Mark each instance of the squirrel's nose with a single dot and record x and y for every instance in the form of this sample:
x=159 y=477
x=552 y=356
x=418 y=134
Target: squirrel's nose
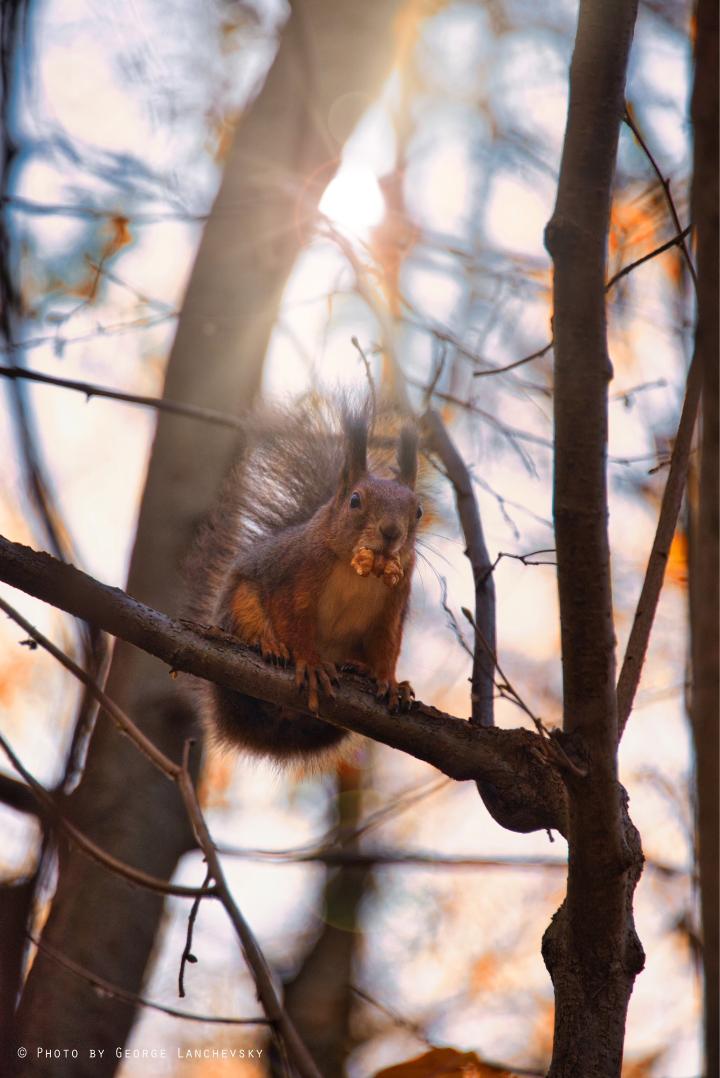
x=390 y=530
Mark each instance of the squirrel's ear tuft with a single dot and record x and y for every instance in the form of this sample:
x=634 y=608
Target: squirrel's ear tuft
x=408 y=456
x=356 y=440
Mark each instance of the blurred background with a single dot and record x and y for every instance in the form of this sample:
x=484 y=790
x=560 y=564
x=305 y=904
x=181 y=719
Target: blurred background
x=119 y=120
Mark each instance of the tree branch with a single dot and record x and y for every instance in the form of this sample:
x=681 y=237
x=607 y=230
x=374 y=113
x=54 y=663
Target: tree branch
x=120 y=868
x=90 y=389
x=182 y=776
x=134 y=1000
x=507 y=758
x=639 y=638
x=477 y=553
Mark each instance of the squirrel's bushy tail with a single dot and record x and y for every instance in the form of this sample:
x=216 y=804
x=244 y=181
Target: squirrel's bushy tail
x=269 y=730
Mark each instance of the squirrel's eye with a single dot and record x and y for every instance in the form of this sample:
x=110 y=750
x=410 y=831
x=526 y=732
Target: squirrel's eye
x=355 y=500
x=419 y=512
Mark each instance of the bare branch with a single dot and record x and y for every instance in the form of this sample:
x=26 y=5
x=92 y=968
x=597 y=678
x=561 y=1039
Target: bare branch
x=181 y=775
x=665 y=184
x=120 y=868
x=676 y=241
x=135 y=1000
x=477 y=553
x=253 y=955
x=187 y=955
x=89 y=390
x=143 y=743
x=637 y=644
x=517 y=363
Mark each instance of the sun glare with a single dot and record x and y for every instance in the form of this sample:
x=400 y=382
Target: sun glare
x=353 y=199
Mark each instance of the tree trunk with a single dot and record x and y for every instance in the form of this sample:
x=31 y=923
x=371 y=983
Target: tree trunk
x=704 y=552
x=284 y=154
x=591 y=949
x=319 y=996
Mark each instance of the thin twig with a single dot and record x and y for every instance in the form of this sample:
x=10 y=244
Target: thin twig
x=676 y=241
x=665 y=184
x=89 y=390
x=146 y=746
x=120 y=868
x=114 y=990
x=524 y=558
x=368 y=372
x=517 y=363
x=549 y=745
x=338 y=857
x=187 y=955
x=181 y=775
x=254 y=957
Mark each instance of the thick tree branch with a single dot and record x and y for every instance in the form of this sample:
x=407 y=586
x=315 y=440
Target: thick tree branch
x=591 y=948
x=507 y=758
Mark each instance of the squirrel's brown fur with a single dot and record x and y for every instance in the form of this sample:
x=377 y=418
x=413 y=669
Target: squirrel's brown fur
x=309 y=556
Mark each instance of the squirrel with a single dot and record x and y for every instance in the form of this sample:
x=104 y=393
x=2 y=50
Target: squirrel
x=309 y=558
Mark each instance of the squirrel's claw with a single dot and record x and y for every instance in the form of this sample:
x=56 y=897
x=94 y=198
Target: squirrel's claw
x=332 y=672
x=322 y=673
x=399 y=695
x=273 y=651
x=406 y=694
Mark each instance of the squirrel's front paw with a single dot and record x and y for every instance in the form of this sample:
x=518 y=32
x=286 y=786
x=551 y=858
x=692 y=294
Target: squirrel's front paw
x=324 y=673
x=393 y=574
x=271 y=649
x=399 y=694
x=363 y=561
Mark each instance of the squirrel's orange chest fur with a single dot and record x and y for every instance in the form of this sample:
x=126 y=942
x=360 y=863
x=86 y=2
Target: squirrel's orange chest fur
x=348 y=607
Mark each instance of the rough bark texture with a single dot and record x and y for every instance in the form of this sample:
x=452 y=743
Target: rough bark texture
x=704 y=552
x=591 y=948
x=284 y=153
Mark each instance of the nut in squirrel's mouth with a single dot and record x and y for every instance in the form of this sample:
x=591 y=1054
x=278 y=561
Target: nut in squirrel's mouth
x=365 y=561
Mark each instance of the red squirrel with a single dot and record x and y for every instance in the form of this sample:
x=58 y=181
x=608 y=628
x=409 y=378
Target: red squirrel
x=309 y=557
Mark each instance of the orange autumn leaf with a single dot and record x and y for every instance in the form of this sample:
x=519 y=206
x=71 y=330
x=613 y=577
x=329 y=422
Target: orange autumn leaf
x=121 y=236
x=443 y=1063
x=631 y=224
x=677 y=563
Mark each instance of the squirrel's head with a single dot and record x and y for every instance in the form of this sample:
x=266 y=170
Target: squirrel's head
x=380 y=514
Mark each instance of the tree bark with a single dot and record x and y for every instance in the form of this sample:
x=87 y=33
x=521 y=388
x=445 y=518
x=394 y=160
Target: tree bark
x=704 y=552
x=591 y=949
x=285 y=151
